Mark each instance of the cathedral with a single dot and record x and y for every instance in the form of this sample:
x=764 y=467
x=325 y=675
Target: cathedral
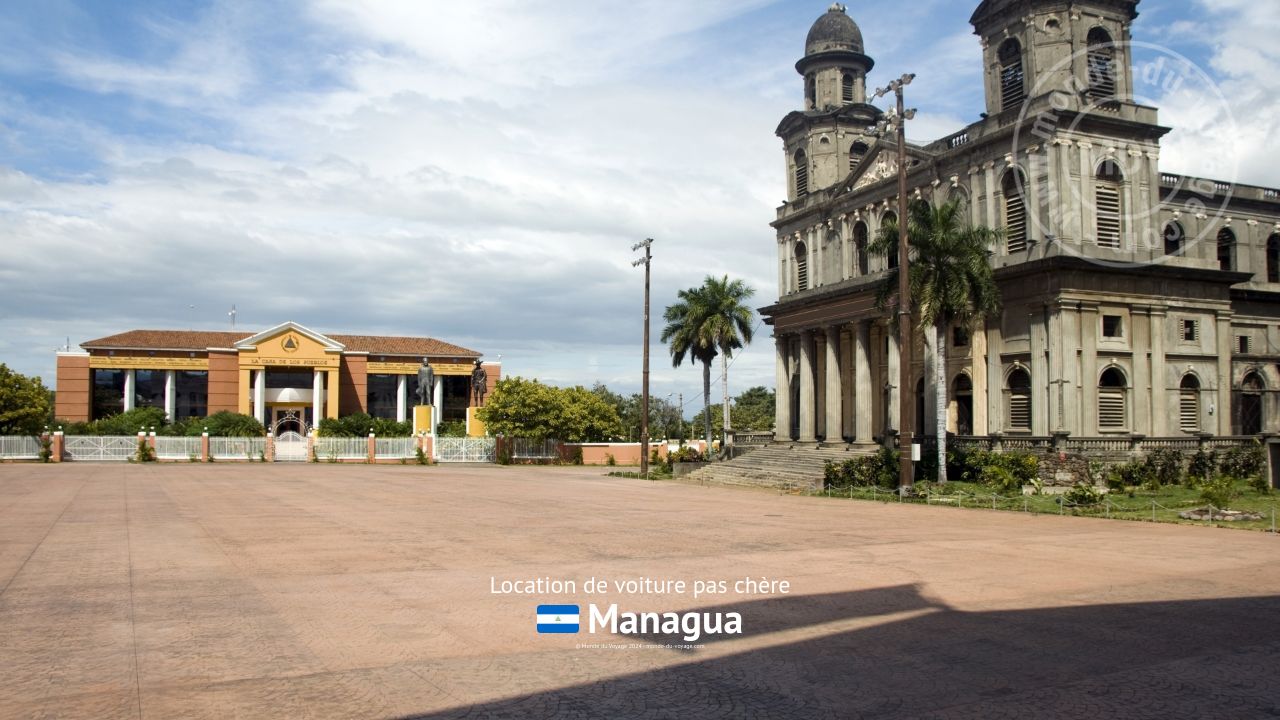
x=1135 y=302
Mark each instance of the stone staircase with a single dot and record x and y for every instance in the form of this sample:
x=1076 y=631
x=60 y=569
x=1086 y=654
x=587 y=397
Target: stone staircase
x=783 y=466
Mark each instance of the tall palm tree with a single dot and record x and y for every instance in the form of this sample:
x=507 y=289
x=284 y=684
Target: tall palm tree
x=951 y=282
x=710 y=320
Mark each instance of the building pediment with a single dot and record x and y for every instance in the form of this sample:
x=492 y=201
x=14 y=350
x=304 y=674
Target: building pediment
x=292 y=338
x=881 y=164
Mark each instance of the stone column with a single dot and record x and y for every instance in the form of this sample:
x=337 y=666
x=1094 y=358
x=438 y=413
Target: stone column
x=260 y=395
x=782 y=266
x=402 y=397
x=1224 y=372
x=834 y=427
x=170 y=394
x=1142 y=386
x=317 y=397
x=130 y=389
x=892 y=376
x=1160 y=425
x=1088 y=222
x=996 y=421
x=1057 y=393
x=807 y=409
x=989 y=175
x=1039 y=374
x=1089 y=369
x=782 y=393
x=862 y=383
x=437 y=401
x=929 y=374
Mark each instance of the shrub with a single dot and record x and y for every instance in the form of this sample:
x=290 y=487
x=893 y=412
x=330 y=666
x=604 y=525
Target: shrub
x=686 y=454
x=229 y=424
x=880 y=470
x=1219 y=491
x=1006 y=472
x=1243 y=462
x=420 y=456
x=1203 y=464
x=1166 y=466
x=1260 y=484
x=1136 y=473
x=360 y=424
x=1083 y=494
x=125 y=423
x=453 y=428
x=144 y=453
x=46 y=448
x=610 y=460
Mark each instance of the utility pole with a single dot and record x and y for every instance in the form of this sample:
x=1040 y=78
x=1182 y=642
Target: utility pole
x=644 y=383
x=905 y=433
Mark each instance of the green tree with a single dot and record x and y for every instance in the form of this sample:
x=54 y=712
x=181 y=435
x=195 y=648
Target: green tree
x=754 y=409
x=951 y=282
x=24 y=403
x=706 y=321
x=529 y=409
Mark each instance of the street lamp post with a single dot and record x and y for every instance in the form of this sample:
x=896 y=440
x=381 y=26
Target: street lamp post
x=644 y=382
x=905 y=434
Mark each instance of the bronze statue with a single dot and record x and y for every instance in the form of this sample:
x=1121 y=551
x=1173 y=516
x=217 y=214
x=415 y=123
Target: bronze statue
x=426 y=383
x=479 y=383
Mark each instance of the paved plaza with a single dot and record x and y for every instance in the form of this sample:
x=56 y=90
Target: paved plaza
x=344 y=591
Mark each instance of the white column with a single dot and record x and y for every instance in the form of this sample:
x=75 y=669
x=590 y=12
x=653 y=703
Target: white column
x=317 y=397
x=260 y=395
x=437 y=401
x=862 y=382
x=834 y=430
x=170 y=394
x=130 y=389
x=402 y=397
x=893 y=374
x=782 y=391
x=807 y=410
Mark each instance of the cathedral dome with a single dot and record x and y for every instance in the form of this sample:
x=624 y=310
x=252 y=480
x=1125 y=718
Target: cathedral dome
x=834 y=31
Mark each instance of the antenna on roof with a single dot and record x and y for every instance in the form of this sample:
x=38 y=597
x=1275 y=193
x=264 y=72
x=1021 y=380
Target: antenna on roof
x=233 y=317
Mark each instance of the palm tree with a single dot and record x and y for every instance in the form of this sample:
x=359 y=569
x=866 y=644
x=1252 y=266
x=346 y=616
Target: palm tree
x=951 y=281
x=710 y=320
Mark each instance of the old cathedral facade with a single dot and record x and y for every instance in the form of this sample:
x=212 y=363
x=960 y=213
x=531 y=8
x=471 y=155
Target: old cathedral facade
x=1134 y=302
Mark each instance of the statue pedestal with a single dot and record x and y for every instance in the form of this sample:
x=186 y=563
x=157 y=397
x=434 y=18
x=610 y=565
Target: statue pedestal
x=422 y=420
x=475 y=426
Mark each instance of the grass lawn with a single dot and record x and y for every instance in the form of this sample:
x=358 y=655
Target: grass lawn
x=1134 y=504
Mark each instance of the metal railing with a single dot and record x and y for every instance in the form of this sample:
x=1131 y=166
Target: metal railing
x=19 y=447
x=342 y=448
x=237 y=448
x=525 y=449
x=395 y=448
x=466 y=449
x=100 y=448
x=177 y=448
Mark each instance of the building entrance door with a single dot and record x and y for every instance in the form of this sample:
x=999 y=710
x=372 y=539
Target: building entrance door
x=290 y=419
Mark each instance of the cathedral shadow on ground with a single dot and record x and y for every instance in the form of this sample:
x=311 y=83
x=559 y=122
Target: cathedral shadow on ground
x=1202 y=658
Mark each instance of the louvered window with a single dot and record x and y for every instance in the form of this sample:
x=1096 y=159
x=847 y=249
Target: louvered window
x=802 y=267
x=1015 y=213
x=1102 y=65
x=1190 y=330
x=1244 y=344
x=1189 y=405
x=1111 y=397
x=1107 y=196
x=846 y=88
x=1226 y=249
x=1012 y=78
x=1273 y=259
x=802 y=173
x=1020 y=401
x=856 y=153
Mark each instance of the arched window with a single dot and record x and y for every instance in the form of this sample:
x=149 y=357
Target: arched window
x=892 y=255
x=1273 y=259
x=1249 y=403
x=1012 y=78
x=1226 y=249
x=1174 y=236
x=1015 y=212
x=1189 y=404
x=1112 y=389
x=857 y=151
x=810 y=92
x=802 y=267
x=962 y=391
x=1019 y=404
x=1107 y=197
x=846 y=88
x=860 y=240
x=802 y=173
x=1102 y=65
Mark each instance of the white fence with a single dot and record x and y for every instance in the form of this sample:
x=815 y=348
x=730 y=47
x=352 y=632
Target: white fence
x=395 y=448
x=290 y=447
x=177 y=448
x=116 y=448
x=524 y=449
x=237 y=448
x=342 y=448
x=466 y=449
x=19 y=447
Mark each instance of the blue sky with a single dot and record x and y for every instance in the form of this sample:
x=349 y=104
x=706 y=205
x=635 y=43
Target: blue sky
x=471 y=171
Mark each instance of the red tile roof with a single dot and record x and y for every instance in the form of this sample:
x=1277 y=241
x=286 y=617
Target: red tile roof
x=204 y=339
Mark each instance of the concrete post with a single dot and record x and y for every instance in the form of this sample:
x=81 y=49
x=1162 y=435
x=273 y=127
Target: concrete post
x=59 y=442
x=170 y=394
x=373 y=448
x=130 y=389
x=402 y=398
x=204 y=447
x=317 y=397
x=260 y=395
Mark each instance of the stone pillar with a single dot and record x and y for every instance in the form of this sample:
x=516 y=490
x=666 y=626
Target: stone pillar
x=58 y=446
x=260 y=395
x=1088 y=222
x=1089 y=369
x=170 y=394
x=317 y=397
x=130 y=389
x=1143 y=388
x=331 y=390
x=807 y=411
x=891 y=377
x=1224 y=372
x=862 y=384
x=834 y=427
x=373 y=448
x=1039 y=374
x=204 y=447
x=782 y=393
x=1160 y=425
x=996 y=421
x=402 y=397
x=1057 y=380
x=989 y=176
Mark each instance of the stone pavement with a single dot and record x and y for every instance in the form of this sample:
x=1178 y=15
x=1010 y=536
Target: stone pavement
x=345 y=591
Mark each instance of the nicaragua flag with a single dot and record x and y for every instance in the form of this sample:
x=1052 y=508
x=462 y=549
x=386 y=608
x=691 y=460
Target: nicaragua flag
x=558 y=618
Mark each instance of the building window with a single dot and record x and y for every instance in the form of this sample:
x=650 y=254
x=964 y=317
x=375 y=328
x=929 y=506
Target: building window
x=802 y=267
x=1102 y=65
x=810 y=93
x=1107 y=196
x=857 y=151
x=860 y=247
x=1015 y=213
x=108 y=393
x=1189 y=404
x=1112 y=327
x=1273 y=259
x=1111 y=397
x=962 y=391
x=1174 y=236
x=1249 y=405
x=383 y=396
x=148 y=388
x=1190 y=330
x=1019 y=406
x=802 y=173
x=192 y=391
x=960 y=336
x=892 y=256
x=1226 y=249
x=1012 y=78
x=1244 y=344
x=846 y=88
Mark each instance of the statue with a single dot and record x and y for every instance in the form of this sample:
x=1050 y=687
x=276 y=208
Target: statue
x=426 y=383
x=479 y=383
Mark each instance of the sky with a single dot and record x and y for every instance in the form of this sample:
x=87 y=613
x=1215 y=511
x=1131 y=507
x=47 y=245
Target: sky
x=472 y=171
